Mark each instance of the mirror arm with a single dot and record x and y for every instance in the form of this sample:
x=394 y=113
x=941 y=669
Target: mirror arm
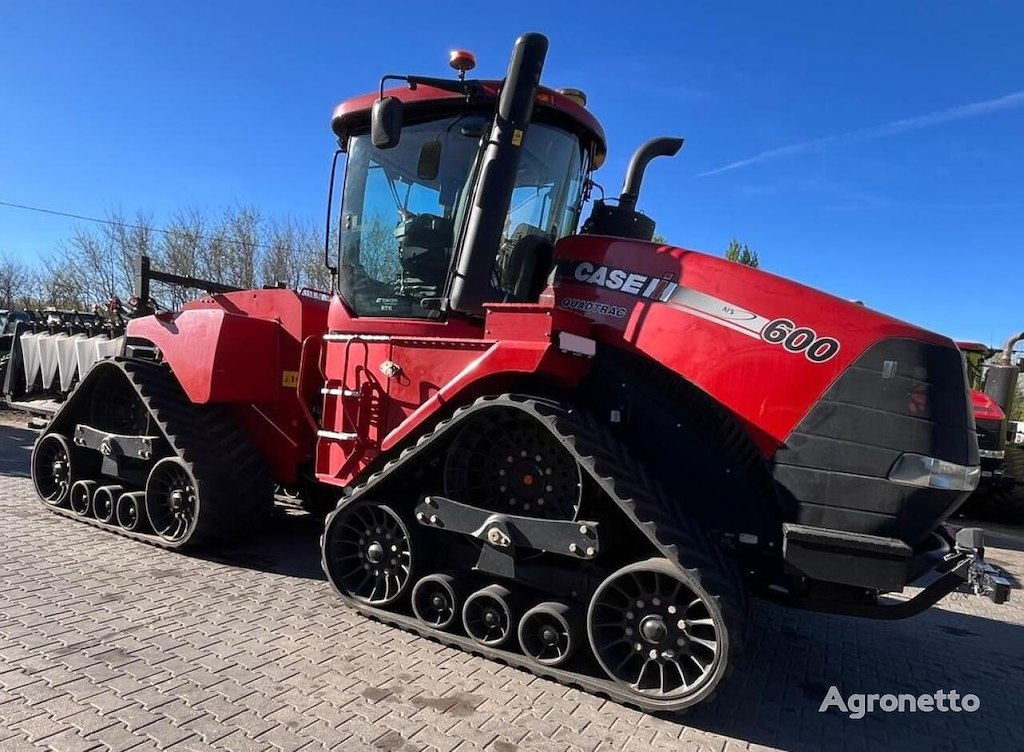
x=332 y=268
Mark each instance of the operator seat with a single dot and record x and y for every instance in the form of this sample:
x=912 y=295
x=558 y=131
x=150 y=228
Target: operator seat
x=525 y=262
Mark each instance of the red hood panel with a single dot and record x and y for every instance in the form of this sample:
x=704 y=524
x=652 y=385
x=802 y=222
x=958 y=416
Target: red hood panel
x=984 y=407
x=763 y=345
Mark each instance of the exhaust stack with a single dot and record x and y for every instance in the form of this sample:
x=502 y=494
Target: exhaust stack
x=623 y=220
x=1001 y=378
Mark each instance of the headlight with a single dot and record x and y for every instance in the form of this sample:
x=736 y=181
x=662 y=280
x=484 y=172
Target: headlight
x=928 y=472
x=991 y=454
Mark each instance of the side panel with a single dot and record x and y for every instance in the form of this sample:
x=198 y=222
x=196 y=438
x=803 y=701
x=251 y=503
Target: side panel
x=402 y=375
x=257 y=351
x=217 y=356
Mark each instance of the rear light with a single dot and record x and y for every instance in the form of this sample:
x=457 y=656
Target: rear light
x=929 y=472
x=991 y=454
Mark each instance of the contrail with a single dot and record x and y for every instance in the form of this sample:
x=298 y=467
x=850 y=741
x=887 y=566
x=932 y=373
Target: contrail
x=975 y=109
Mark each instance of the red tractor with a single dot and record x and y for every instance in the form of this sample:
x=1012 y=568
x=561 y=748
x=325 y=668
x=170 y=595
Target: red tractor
x=994 y=375
x=572 y=452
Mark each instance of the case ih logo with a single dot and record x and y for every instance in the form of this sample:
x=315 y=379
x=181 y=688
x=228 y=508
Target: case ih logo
x=781 y=331
x=623 y=280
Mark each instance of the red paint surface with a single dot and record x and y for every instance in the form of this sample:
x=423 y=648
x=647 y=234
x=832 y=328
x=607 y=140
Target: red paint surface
x=984 y=407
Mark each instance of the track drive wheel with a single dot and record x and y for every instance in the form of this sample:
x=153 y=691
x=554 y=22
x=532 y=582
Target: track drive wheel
x=506 y=462
x=51 y=469
x=172 y=501
x=658 y=633
x=368 y=553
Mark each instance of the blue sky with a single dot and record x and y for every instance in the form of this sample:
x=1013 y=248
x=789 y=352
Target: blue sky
x=870 y=149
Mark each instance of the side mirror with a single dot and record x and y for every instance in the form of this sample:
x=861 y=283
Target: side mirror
x=386 y=122
x=429 y=164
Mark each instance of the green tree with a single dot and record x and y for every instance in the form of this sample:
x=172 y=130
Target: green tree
x=741 y=253
x=659 y=239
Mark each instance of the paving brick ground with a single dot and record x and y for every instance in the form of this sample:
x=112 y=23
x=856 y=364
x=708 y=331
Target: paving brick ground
x=110 y=644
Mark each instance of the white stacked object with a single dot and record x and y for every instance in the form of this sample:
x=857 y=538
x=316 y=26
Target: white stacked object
x=67 y=364
x=53 y=361
x=48 y=358
x=30 y=357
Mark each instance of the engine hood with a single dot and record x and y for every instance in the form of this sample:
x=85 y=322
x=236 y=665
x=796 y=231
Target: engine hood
x=763 y=345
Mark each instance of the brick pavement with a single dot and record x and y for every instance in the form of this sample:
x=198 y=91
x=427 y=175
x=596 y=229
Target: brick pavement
x=110 y=644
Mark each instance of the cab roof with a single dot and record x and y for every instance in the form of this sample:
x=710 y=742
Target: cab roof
x=353 y=115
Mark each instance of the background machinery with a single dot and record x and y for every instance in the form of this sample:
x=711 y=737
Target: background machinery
x=575 y=453
x=993 y=378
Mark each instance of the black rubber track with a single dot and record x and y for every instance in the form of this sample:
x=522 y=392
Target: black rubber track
x=670 y=531
x=1007 y=504
x=234 y=486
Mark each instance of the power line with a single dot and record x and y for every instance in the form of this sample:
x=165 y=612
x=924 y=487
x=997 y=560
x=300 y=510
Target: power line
x=146 y=228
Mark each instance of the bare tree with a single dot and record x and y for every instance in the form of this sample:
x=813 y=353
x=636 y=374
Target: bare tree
x=315 y=274
x=281 y=257
x=15 y=276
x=60 y=285
x=183 y=250
x=97 y=263
x=237 y=247
x=242 y=225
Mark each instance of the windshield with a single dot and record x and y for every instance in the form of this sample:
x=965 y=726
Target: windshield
x=403 y=209
x=546 y=204
x=398 y=208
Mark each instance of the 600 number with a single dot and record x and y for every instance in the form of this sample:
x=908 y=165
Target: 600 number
x=800 y=339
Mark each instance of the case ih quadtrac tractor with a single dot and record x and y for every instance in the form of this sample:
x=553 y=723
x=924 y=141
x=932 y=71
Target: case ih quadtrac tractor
x=571 y=452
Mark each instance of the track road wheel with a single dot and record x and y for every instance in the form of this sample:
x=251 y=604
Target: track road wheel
x=81 y=495
x=546 y=634
x=487 y=615
x=435 y=601
x=657 y=632
x=172 y=501
x=130 y=512
x=104 y=502
x=51 y=469
x=368 y=553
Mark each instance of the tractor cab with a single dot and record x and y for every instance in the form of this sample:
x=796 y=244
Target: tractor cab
x=449 y=201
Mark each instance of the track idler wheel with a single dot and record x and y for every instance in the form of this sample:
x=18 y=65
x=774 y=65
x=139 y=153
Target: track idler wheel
x=368 y=553
x=130 y=510
x=51 y=469
x=547 y=635
x=487 y=615
x=81 y=497
x=435 y=600
x=104 y=502
x=172 y=500
x=655 y=631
